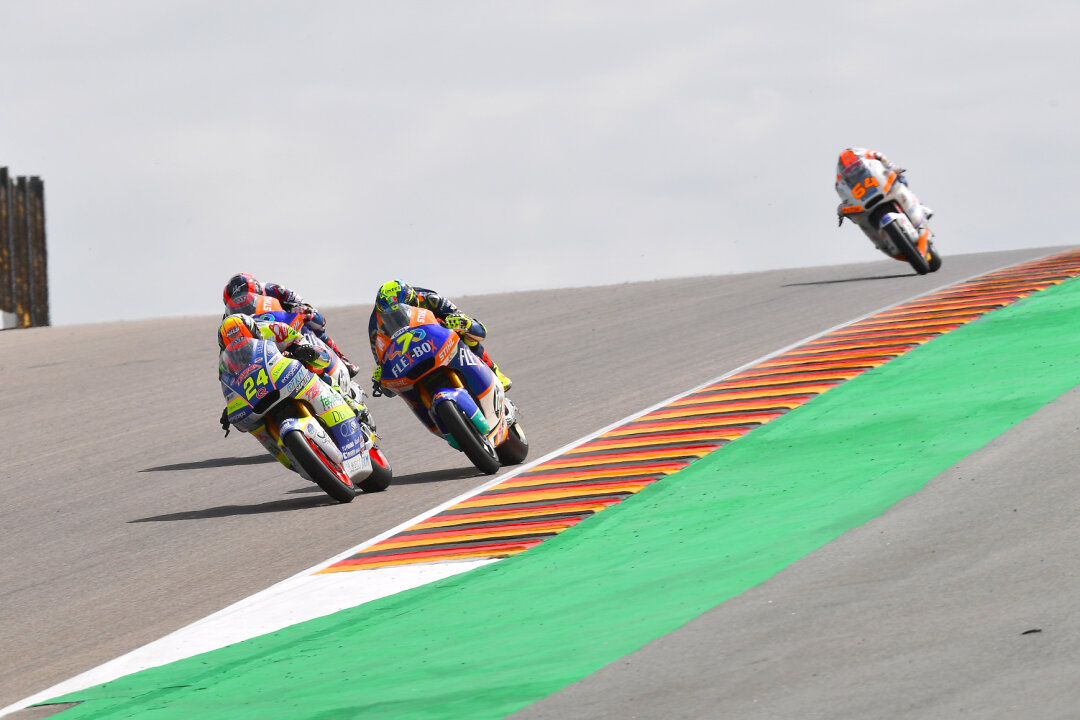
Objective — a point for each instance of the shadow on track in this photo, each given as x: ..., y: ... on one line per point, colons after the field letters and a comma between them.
x: 300, y: 503
x: 846, y: 280
x: 307, y: 489
x: 213, y: 463
x: 436, y: 475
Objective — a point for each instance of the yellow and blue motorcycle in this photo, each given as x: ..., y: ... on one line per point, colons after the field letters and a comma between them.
x: 303, y: 422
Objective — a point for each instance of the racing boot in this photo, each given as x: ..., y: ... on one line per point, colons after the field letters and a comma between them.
x: 354, y: 370
x: 362, y: 413
x: 507, y: 383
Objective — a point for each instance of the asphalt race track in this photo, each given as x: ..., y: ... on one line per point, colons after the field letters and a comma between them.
x: 128, y: 515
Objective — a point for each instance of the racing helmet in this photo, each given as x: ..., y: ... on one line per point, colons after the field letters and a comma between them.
x: 394, y: 293
x: 234, y: 329
x: 848, y: 159
x: 241, y: 284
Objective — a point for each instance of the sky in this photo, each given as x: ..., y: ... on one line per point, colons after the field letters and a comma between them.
x: 478, y: 147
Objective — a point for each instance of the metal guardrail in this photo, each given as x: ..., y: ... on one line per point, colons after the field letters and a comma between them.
x: 24, y: 277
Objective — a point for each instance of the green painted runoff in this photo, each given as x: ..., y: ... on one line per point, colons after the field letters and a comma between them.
x: 491, y: 641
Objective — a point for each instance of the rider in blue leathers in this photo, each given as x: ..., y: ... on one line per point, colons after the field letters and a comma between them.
x: 472, y: 331
x: 239, y: 298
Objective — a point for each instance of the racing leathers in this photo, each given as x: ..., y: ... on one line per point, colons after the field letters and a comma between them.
x: 471, y: 331
x: 245, y: 302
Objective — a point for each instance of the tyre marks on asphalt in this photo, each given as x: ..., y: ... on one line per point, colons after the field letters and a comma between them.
x: 523, y: 511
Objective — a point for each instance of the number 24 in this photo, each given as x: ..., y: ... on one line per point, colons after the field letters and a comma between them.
x: 250, y: 384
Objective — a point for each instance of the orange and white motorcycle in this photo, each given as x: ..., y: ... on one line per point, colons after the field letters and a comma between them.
x: 875, y: 199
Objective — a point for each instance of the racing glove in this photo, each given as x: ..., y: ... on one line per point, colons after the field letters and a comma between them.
x: 458, y: 322
x: 225, y: 421
x: 303, y: 352
x: 297, y: 306
x: 377, y: 389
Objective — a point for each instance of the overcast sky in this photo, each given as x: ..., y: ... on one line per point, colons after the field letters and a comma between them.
x: 478, y: 147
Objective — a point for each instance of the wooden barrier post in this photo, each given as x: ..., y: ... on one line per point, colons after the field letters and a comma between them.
x: 39, y: 271
x: 24, y: 277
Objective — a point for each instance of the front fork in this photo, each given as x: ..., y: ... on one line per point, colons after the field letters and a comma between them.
x: 452, y: 388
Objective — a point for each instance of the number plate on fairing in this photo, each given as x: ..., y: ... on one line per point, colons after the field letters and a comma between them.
x: 862, y: 183
x: 359, y: 463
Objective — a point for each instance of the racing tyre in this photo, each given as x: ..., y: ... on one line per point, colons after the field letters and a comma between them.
x: 476, y: 447
x: 332, y: 479
x: 908, y: 249
x: 381, y: 473
x: 935, y: 259
x: 514, y: 448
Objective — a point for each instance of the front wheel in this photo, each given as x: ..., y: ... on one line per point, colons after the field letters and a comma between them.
x: 381, y: 473
x: 476, y: 447
x: 908, y: 249
x: 935, y: 259
x: 331, y: 478
x: 515, y: 447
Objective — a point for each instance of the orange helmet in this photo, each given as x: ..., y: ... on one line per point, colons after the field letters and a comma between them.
x: 848, y: 158
x: 234, y: 329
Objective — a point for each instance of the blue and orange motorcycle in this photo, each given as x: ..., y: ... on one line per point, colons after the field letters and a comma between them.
x: 448, y: 387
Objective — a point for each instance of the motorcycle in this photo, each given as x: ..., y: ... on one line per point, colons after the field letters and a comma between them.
x: 448, y: 387
x: 888, y: 213
x: 303, y: 422
x: 335, y: 374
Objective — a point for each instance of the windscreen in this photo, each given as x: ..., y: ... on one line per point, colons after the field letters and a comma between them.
x: 856, y: 174
x: 394, y: 320
x: 239, y: 357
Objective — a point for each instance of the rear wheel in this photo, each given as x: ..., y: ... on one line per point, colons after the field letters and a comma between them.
x: 908, y: 249
x: 474, y: 445
x: 515, y: 447
x: 381, y: 473
x: 330, y: 477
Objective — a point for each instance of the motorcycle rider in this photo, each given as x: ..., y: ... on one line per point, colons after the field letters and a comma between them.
x: 853, y: 155
x: 472, y: 331
x: 239, y: 296
x: 238, y: 328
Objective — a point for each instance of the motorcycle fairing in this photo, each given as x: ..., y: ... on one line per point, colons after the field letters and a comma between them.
x: 412, y: 344
x: 862, y: 183
x: 264, y: 374
x: 256, y: 304
x: 251, y: 374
